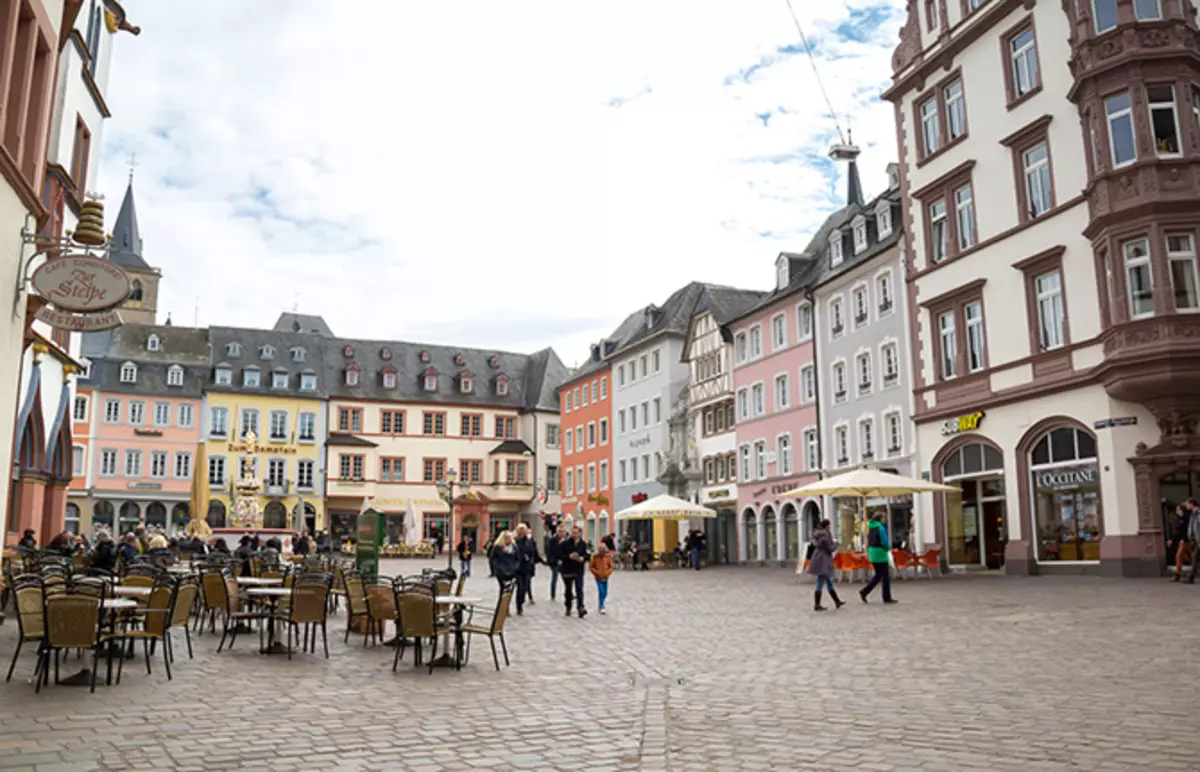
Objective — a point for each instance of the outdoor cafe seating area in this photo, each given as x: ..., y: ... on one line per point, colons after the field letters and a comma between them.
x: 71, y: 616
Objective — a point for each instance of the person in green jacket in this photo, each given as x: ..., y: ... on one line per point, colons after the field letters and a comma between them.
x: 878, y: 547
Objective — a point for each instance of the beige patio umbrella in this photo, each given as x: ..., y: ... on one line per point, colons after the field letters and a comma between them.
x: 865, y: 483
x: 665, y: 507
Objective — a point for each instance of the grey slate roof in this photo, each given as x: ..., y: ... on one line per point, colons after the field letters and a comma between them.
x: 306, y: 323
x: 183, y: 346
x: 127, y: 237
x: 811, y: 267
x: 280, y: 346
x: 544, y: 372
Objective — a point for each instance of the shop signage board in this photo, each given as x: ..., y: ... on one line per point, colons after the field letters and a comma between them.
x: 146, y: 486
x: 963, y: 423
x: 1066, y: 478
x: 76, y: 322
x: 82, y: 283
x: 720, y: 493
x: 1108, y: 423
x: 369, y: 538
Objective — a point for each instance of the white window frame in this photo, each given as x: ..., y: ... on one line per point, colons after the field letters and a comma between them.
x: 279, y: 379
x: 300, y: 420
x: 864, y: 365
x: 1173, y: 106
x: 1139, y: 7
x: 159, y: 462
x: 1187, y: 258
x: 883, y: 279
x: 153, y: 343
x: 746, y: 468
x: 275, y: 413
x: 174, y: 375
x: 964, y: 217
x: 217, y: 462
x: 867, y: 441
x: 185, y: 459
x: 1023, y: 63
x: 1112, y: 116
x: 760, y: 459
x: 836, y: 254
x: 129, y: 371
x: 837, y: 314
x: 955, y: 104
x: 86, y: 403
x: 308, y: 382
x: 860, y: 290
x: 756, y: 341
x: 1096, y: 15
x: 743, y: 401
x: 213, y: 412
x: 133, y: 464
x: 837, y: 371
x: 892, y: 347
x: 931, y: 128
x: 784, y: 455
x: 786, y: 402
x: 976, y: 337
x: 779, y: 340
x: 1038, y: 185
x: 804, y: 321
x: 812, y: 448
x: 223, y: 375
x: 883, y: 219
x: 251, y: 378
x: 889, y: 416
x: 841, y: 444
x: 859, y: 227
x: 758, y: 398
x: 137, y: 412
x: 1052, y: 298
x: 1134, y: 263
x: 162, y: 413
x: 109, y: 417
x: 808, y: 378
x: 109, y: 458
x: 741, y: 347
x: 939, y: 231
x: 948, y: 334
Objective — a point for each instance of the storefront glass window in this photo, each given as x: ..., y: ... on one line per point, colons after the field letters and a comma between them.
x: 1066, y: 486
x: 750, y: 536
x: 791, y: 533
x: 771, y: 536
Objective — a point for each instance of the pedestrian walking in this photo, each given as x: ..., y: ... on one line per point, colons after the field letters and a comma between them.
x: 552, y: 559
x: 439, y: 541
x: 504, y: 559
x: 572, y: 557
x: 527, y: 552
x: 878, y: 547
x: 1193, y: 536
x: 1184, y: 551
x: 820, y: 564
x: 465, y: 549
x: 601, y: 566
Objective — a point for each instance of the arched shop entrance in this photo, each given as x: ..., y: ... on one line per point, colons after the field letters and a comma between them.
x: 216, y: 514
x: 1063, y: 484
x: 971, y: 524
x: 102, y: 515
x: 791, y: 532
x: 771, y: 534
x: 750, y: 535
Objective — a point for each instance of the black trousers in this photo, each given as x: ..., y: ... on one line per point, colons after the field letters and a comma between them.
x: 573, y: 590
x: 882, y: 574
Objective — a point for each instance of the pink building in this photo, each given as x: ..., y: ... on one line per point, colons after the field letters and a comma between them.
x: 775, y: 397
x: 137, y: 419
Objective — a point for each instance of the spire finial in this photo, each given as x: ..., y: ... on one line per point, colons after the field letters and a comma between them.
x: 132, y: 164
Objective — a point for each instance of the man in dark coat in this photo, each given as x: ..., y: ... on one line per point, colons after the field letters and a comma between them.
x: 527, y: 552
x: 572, y: 559
x: 552, y: 559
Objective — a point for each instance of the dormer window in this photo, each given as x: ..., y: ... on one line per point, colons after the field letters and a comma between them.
x: 385, y: 353
x: 860, y: 234
x: 389, y: 379
x: 233, y: 349
x: 883, y: 219
x: 174, y: 375
x: 129, y: 373
x: 348, y: 352
x: 502, y: 385
x: 835, y: 248
x: 223, y: 375
x: 266, y: 352
x: 279, y: 379
x: 251, y: 378
x: 425, y: 357
x: 352, y: 375
x: 459, y: 360
x: 430, y: 379
x: 466, y: 383
x: 153, y: 343
x: 298, y: 354
x: 308, y: 381
x: 494, y: 362
x: 781, y: 272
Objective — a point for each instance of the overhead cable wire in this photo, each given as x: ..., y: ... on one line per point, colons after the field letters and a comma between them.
x: 813, y: 61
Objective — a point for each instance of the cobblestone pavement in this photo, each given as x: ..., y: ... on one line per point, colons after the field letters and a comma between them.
x: 726, y: 669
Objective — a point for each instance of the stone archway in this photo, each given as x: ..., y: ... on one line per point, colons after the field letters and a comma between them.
x: 939, y: 471
x: 1144, y: 553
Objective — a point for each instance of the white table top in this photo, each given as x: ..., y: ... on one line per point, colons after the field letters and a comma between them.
x: 457, y: 599
x: 258, y: 581
x: 131, y: 591
x: 116, y: 603
x: 273, y: 592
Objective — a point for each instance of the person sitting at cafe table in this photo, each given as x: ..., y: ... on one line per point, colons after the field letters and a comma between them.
x: 105, y: 556
x: 129, y: 547
x: 28, y: 540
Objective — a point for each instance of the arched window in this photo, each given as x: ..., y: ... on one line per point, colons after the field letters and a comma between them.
x: 136, y: 292
x: 102, y: 515
x: 131, y: 514
x: 180, y: 514
x: 771, y: 528
x: 1065, y: 479
x: 750, y: 535
x: 156, y: 514
x: 791, y: 532
x: 274, y: 515
x: 216, y: 514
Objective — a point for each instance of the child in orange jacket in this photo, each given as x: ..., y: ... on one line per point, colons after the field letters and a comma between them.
x: 601, y: 567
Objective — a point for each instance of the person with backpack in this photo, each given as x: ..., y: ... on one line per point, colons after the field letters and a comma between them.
x: 820, y: 564
x: 878, y: 547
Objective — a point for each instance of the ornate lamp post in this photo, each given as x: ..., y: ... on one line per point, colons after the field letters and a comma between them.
x: 446, y: 490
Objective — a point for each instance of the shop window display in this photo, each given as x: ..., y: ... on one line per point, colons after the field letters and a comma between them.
x: 1066, y: 486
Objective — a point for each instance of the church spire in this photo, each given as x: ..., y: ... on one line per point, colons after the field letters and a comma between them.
x: 127, y: 237
x: 849, y: 152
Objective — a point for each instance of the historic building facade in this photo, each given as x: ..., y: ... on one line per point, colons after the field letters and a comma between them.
x: 54, y: 66
x: 265, y: 419
x: 1059, y: 141
x: 136, y: 419
x: 586, y: 418
x: 777, y: 438
x: 711, y: 419
x: 862, y: 372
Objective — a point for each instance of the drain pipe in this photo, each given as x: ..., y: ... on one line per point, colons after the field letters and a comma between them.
x: 812, y: 304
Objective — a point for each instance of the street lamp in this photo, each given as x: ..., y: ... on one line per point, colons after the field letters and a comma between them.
x: 446, y: 488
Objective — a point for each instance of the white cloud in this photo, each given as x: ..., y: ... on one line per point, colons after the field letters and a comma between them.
x: 510, y: 175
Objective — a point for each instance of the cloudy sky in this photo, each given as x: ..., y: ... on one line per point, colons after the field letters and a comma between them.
x: 496, y: 174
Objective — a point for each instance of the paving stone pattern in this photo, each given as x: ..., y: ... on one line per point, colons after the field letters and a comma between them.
x: 725, y: 669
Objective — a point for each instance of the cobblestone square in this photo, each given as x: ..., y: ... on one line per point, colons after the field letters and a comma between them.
x: 725, y: 669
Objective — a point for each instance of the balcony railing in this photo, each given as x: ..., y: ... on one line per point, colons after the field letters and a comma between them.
x: 839, y: 395
x: 864, y: 387
x: 885, y: 306
x: 860, y: 318
x: 838, y: 328
x: 890, y: 379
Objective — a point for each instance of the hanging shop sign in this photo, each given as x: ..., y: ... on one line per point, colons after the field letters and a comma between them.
x: 1066, y: 478
x: 75, y: 322
x: 964, y: 423
x: 720, y: 493
x: 82, y: 283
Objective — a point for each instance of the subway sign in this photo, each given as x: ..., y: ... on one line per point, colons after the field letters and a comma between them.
x: 964, y: 423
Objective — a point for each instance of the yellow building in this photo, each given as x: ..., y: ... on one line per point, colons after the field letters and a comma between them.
x: 264, y: 419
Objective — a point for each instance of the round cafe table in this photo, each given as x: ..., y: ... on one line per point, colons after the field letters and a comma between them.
x: 459, y: 603
x: 257, y: 581
x: 141, y: 592
x: 271, y: 596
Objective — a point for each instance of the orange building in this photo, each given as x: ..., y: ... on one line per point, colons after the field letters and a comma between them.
x: 585, y: 415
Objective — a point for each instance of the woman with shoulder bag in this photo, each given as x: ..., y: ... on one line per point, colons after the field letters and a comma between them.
x: 821, y: 564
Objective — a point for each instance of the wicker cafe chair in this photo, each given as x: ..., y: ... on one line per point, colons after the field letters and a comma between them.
x: 227, y: 591
x: 419, y: 621
x: 309, y: 607
x: 155, y: 618
x: 186, y: 592
x: 339, y: 584
x: 214, y: 597
x: 493, y: 628
x: 357, y: 607
x: 381, y: 603
x: 31, y: 627
x: 72, y: 622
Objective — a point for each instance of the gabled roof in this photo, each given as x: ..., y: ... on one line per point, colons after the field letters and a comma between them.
x: 304, y: 323
x: 544, y: 373
x: 127, y: 236
x: 517, y: 447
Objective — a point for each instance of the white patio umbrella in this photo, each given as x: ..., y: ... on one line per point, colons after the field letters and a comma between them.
x: 865, y: 483
x: 665, y: 507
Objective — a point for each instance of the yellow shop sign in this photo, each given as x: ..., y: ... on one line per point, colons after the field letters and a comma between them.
x: 964, y: 423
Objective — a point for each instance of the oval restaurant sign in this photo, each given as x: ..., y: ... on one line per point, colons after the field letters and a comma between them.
x: 82, y: 283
